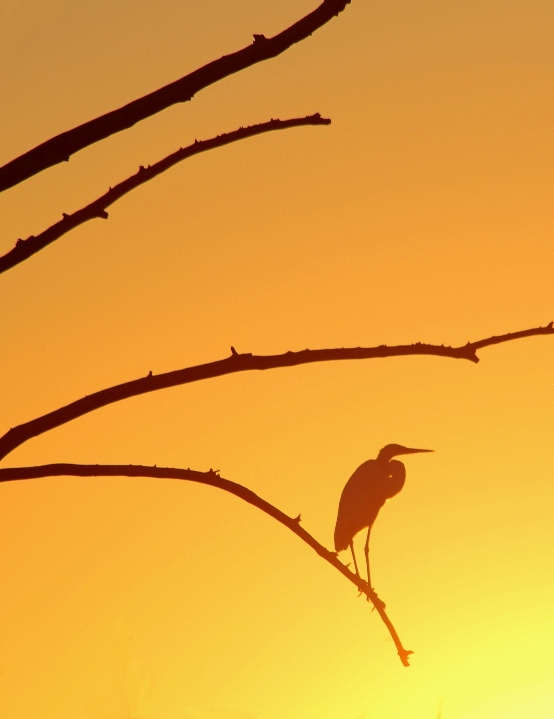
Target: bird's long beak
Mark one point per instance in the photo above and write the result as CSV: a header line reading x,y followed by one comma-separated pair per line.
x,y
408,450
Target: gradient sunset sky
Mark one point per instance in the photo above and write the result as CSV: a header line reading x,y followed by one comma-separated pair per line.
x,y
422,213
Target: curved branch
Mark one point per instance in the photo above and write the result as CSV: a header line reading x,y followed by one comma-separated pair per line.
x,y
212,479
26,248
60,148
239,363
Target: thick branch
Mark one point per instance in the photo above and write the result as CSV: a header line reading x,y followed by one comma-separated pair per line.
x,y
60,148
239,363
214,480
25,248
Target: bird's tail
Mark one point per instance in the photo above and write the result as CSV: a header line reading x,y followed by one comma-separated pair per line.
x,y
342,540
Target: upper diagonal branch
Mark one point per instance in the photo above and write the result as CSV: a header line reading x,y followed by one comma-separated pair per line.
x,y
212,479
60,148
239,363
26,248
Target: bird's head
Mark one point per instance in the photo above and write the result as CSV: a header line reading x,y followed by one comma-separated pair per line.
x,y
393,450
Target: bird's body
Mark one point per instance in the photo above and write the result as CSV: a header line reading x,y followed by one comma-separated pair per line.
x,y
365,493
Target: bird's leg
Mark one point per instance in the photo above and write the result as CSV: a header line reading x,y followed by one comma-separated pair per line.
x,y
355,565
374,599
366,552
354,558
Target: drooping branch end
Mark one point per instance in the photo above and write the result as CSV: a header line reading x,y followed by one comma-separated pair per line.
x,y
404,656
213,479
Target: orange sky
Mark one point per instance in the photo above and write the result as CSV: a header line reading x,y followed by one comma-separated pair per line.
x,y
423,213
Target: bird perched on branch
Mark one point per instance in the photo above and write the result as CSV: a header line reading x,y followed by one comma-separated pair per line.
x,y
365,493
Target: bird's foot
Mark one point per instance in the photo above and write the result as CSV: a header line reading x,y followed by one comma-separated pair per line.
x,y
374,599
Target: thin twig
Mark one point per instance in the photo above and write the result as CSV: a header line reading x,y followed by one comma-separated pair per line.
x,y
212,479
239,363
26,248
60,148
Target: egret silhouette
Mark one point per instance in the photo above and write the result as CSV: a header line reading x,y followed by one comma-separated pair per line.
x,y
365,493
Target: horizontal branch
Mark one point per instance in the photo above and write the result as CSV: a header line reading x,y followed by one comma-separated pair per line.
x,y
212,479
26,248
60,148
239,363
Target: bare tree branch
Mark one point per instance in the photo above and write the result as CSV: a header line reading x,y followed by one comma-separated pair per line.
x,y
212,479
25,248
60,148
240,363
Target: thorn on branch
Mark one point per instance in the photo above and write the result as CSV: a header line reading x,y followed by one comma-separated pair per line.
x,y
259,39
65,216
103,215
150,375
234,352
298,519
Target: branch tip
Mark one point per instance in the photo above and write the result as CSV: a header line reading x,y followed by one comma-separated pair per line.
x,y
404,656
62,146
97,208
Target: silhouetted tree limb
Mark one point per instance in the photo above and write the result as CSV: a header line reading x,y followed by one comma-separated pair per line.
x,y
25,248
60,148
240,363
212,479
